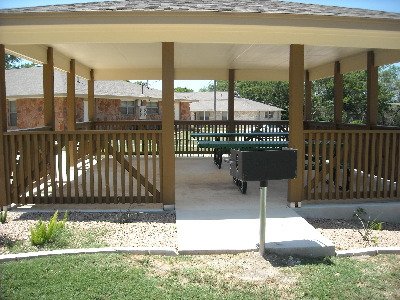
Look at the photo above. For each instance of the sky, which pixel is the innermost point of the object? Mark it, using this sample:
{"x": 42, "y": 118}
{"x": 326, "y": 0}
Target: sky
{"x": 386, "y": 5}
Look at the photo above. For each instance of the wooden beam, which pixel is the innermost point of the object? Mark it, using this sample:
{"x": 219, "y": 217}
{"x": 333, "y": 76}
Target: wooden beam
{"x": 338, "y": 94}
{"x": 231, "y": 100}
{"x": 71, "y": 109}
{"x": 91, "y": 102}
{"x": 71, "y": 105}
{"x": 48, "y": 90}
{"x": 308, "y": 102}
{"x": 168, "y": 152}
{"x": 38, "y": 54}
{"x": 296, "y": 135}
{"x": 372, "y": 90}
{"x": 3, "y": 129}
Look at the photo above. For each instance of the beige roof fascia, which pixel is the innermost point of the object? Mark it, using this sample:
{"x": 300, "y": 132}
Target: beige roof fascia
{"x": 194, "y": 27}
{"x": 355, "y": 63}
{"x": 201, "y": 74}
{"x": 38, "y": 54}
{"x": 127, "y": 74}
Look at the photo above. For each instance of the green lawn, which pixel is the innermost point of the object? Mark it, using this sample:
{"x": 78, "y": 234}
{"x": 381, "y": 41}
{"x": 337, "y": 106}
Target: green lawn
{"x": 123, "y": 276}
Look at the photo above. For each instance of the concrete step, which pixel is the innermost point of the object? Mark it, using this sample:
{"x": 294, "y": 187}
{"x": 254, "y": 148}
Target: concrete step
{"x": 231, "y": 231}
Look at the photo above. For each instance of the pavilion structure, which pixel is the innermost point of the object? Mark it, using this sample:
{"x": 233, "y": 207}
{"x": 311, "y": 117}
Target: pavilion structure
{"x": 189, "y": 40}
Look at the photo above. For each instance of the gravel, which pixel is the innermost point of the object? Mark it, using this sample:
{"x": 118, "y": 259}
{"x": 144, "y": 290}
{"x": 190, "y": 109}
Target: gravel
{"x": 133, "y": 229}
{"x": 108, "y": 229}
{"x": 348, "y": 234}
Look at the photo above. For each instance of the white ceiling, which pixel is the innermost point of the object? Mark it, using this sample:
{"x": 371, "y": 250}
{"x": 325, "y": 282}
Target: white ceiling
{"x": 205, "y": 56}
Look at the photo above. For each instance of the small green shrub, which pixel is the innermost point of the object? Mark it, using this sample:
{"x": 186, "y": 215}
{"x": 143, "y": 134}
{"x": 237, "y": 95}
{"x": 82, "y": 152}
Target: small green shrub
{"x": 3, "y": 216}
{"x": 367, "y": 226}
{"x": 42, "y": 233}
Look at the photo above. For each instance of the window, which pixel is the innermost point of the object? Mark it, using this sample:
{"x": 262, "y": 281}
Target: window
{"x": 127, "y": 108}
{"x": 224, "y": 115}
{"x": 152, "y": 108}
{"x": 12, "y": 113}
{"x": 269, "y": 114}
{"x": 203, "y": 115}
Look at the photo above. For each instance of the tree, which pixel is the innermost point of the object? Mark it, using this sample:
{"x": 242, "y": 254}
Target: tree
{"x": 268, "y": 92}
{"x": 222, "y": 86}
{"x": 182, "y": 90}
{"x": 354, "y": 96}
{"x": 13, "y": 62}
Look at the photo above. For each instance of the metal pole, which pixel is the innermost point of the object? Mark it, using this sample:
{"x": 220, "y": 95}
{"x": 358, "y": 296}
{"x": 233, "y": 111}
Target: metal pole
{"x": 263, "y": 204}
{"x": 215, "y": 100}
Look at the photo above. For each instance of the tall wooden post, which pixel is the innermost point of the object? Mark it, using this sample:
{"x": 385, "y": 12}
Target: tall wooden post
{"x": 71, "y": 105}
{"x": 71, "y": 108}
{"x": 296, "y": 136}
{"x": 308, "y": 101}
{"x": 231, "y": 101}
{"x": 48, "y": 90}
{"x": 91, "y": 103}
{"x": 338, "y": 94}
{"x": 372, "y": 90}
{"x": 3, "y": 111}
{"x": 168, "y": 150}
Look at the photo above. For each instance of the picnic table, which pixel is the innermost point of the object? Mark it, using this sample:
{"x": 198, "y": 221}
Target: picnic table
{"x": 252, "y": 141}
{"x": 221, "y": 147}
{"x": 246, "y": 135}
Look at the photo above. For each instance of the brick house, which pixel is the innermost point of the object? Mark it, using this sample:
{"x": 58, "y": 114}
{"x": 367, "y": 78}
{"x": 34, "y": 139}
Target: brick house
{"x": 115, "y": 100}
{"x": 202, "y": 107}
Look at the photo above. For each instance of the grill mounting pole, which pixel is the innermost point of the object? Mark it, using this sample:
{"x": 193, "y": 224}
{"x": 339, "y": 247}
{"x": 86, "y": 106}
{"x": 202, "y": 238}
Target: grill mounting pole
{"x": 263, "y": 204}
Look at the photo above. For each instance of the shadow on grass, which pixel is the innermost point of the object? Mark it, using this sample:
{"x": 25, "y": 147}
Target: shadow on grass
{"x": 289, "y": 261}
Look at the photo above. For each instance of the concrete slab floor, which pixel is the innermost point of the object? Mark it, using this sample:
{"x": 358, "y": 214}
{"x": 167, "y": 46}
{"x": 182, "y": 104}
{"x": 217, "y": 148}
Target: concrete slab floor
{"x": 212, "y": 215}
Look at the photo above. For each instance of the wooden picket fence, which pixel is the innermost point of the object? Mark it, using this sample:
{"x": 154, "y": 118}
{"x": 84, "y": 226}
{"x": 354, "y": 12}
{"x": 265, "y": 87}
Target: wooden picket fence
{"x": 352, "y": 164}
{"x": 83, "y": 166}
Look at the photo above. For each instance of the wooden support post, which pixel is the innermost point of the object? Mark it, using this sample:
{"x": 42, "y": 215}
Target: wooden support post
{"x": 48, "y": 90}
{"x": 168, "y": 151}
{"x": 231, "y": 101}
{"x": 372, "y": 90}
{"x": 308, "y": 102}
{"x": 71, "y": 105}
{"x": 338, "y": 94}
{"x": 296, "y": 135}
{"x": 71, "y": 109}
{"x": 91, "y": 102}
{"x": 3, "y": 111}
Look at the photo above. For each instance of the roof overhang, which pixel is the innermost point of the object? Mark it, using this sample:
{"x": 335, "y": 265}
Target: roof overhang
{"x": 127, "y": 45}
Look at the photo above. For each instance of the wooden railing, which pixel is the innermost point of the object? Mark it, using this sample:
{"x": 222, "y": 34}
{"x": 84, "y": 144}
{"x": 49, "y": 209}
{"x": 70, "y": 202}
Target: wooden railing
{"x": 83, "y": 167}
{"x": 127, "y": 125}
{"x": 352, "y": 164}
{"x": 186, "y": 145}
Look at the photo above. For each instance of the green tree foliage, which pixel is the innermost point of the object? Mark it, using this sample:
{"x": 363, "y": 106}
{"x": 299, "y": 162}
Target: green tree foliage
{"x": 182, "y": 90}
{"x": 354, "y": 96}
{"x": 222, "y": 86}
{"x": 268, "y": 92}
{"x": 13, "y": 62}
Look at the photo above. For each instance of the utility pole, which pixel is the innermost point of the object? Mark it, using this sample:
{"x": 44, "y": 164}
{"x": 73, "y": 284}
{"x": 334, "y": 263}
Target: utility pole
{"x": 215, "y": 100}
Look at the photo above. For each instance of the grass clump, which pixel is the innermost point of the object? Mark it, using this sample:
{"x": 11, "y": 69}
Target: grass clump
{"x": 42, "y": 233}
{"x": 3, "y": 216}
{"x": 368, "y": 226}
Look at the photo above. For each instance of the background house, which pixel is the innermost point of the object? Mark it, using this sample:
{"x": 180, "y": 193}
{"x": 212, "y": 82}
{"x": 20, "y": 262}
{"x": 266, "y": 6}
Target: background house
{"x": 202, "y": 107}
{"x": 114, "y": 100}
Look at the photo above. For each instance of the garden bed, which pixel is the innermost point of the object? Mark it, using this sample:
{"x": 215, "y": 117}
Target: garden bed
{"x": 348, "y": 234}
{"x": 87, "y": 230}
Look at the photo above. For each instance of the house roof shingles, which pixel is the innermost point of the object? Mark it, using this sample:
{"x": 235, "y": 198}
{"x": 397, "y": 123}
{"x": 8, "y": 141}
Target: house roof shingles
{"x": 206, "y": 102}
{"x": 28, "y": 82}
{"x": 240, "y": 6}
